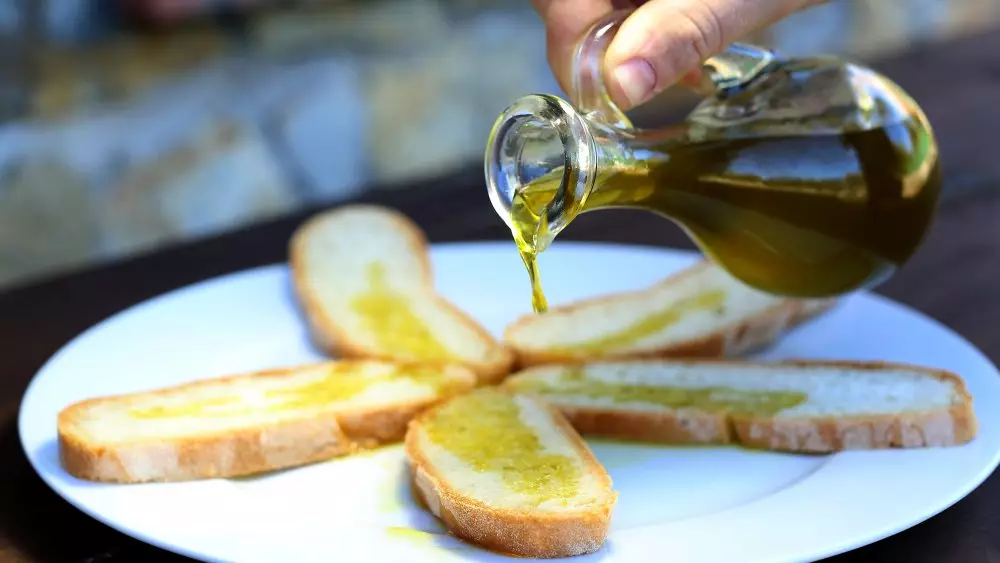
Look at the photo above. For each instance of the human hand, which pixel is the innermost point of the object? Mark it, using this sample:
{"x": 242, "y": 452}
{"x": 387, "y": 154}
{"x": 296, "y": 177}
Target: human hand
{"x": 660, "y": 43}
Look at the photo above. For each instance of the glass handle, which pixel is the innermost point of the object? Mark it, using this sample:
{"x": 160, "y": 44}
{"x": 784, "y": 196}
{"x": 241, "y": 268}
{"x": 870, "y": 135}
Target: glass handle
{"x": 721, "y": 74}
{"x": 590, "y": 95}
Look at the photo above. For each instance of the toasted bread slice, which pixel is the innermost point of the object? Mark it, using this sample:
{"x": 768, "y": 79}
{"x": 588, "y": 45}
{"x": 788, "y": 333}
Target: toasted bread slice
{"x": 363, "y": 276}
{"x": 250, "y": 423}
{"x": 801, "y": 406}
{"x": 700, "y": 312}
{"x": 510, "y": 474}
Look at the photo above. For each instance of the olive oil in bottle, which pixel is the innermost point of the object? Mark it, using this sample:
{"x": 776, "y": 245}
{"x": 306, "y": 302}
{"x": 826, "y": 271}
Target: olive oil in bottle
{"x": 802, "y": 216}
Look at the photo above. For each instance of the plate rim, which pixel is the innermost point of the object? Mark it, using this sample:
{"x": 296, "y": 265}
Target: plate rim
{"x": 682, "y": 255}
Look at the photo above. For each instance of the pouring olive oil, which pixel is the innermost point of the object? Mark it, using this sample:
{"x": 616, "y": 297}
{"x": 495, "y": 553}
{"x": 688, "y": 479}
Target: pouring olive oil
{"x": 801, "y": 177}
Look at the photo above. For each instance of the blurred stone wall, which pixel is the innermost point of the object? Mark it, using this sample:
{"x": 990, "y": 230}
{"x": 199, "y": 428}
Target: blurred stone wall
{"x": 117, "y": 144}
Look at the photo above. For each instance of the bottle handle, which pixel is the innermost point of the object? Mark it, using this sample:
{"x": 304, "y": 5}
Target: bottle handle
{"x": 590, "y": 94}
{"x": 721, "y": 75}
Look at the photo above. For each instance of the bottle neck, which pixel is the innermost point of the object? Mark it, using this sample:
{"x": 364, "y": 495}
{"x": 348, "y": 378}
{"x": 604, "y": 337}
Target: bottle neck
{"x": 545, "y": 150}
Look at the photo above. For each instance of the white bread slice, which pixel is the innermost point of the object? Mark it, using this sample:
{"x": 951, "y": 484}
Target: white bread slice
{"x": 699, "y": 312}
{"x": 363, "y": 277}
{"x": 250, "y": 423}
{"x": 509, "y": 473}
{"x": 821, "y": 406}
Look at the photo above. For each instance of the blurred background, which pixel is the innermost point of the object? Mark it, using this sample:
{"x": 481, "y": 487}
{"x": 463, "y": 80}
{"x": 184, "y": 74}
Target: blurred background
{"x": 132, "y": 124}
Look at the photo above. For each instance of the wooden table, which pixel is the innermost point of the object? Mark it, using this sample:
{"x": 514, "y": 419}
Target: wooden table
{"x": 953, "y": 278}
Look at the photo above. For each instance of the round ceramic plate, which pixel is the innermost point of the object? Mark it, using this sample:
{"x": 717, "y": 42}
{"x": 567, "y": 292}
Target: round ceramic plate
{"x": 687, "y": 505}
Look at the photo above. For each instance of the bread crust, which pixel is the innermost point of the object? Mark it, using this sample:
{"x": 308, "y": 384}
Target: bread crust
{"x": 522, "y": 533}
{"x": 734, "y": 339}
{"x": 953, "y": 426}
{"x": 673, "y": 427}
{"x": 246, "y": 452}
{"x": 334, "y": 340}
{"x": 232, "y": 453}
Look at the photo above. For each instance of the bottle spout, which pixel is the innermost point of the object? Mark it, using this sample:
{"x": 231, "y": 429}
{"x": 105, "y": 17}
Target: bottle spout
{"x": 541, "y": 150}
{"x": 549, "y": 151}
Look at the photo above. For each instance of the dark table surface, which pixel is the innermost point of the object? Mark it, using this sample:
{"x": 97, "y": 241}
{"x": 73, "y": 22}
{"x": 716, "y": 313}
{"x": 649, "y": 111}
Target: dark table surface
{"x": 953, "y": 278}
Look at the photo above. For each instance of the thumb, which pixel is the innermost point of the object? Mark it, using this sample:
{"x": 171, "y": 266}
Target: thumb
{"x": 664, "y": 41}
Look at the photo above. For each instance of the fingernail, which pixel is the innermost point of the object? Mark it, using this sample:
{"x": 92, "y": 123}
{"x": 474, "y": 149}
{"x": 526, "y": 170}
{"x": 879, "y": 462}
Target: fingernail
{"x": 636, "y": 79}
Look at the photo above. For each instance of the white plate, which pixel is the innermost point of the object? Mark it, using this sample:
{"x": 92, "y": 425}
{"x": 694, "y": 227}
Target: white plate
{"x": 685, "y": 505}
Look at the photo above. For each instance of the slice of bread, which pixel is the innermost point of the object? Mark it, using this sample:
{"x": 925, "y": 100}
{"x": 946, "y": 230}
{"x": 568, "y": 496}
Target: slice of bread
{"x": 508, "y": 473}
{"x": 250, "y": 423}
{"x": 363, "y": 277}
{"x": 798, "y": 406}
{"x": 700, "y": 312}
